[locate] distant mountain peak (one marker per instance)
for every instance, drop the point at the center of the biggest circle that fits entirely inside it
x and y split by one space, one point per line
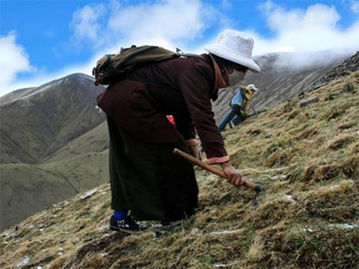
77 80
79 76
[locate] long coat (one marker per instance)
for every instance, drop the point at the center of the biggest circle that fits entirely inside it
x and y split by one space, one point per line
145 176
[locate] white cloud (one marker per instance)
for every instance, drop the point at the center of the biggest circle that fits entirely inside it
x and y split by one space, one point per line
311 29
108 27
176 23
161 22
85 23
355 6
43 77
170 19
13 60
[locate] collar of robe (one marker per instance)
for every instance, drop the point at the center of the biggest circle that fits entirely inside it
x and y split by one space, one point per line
219 81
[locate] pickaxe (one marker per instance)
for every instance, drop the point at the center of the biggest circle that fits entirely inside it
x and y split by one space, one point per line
252 106
256 187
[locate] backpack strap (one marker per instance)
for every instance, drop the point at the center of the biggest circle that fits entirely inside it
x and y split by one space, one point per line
134 54
190 55
179 53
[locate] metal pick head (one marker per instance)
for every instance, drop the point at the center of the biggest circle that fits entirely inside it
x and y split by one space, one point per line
258 189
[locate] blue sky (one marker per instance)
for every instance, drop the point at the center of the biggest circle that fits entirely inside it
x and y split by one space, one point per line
41 40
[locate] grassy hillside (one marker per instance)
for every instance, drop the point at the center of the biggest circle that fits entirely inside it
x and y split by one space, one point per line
27 189
58 122
41 188
82 169
95 140
306 156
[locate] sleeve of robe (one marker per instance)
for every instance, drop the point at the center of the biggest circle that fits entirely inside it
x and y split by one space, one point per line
196 86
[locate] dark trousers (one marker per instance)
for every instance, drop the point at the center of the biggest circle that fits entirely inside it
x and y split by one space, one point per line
148 179
235 113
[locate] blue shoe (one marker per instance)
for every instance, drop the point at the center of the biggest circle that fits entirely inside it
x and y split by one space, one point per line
127 225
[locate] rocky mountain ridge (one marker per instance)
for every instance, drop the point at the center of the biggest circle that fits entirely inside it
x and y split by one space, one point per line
349 66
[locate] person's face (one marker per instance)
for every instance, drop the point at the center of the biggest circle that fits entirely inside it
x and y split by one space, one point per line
235 74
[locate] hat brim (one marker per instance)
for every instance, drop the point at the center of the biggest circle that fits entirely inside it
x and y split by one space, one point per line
252 87
234 57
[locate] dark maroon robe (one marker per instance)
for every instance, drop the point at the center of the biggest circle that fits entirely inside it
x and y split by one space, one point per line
182 87
145 176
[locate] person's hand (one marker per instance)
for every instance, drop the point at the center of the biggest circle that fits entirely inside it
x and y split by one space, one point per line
195 151
234 177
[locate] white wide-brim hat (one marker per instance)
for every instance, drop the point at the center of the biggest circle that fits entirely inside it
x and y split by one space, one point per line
235 47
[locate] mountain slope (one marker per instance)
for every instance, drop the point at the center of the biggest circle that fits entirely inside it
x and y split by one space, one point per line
283 76
27 189
95 140
59 124
39 124
38 121
306 154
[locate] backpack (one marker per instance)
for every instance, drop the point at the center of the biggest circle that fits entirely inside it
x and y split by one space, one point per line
245 98
114 67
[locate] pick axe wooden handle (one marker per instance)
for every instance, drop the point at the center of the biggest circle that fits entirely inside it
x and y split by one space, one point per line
252 106
212 169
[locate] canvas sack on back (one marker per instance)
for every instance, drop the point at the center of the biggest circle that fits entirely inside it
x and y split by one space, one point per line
114 67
